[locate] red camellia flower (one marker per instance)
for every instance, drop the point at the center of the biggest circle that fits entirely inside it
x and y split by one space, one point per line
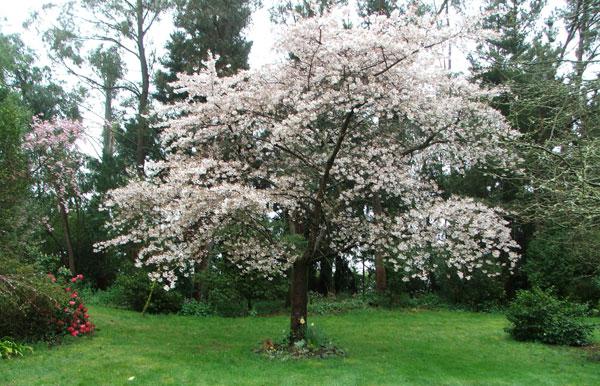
74 321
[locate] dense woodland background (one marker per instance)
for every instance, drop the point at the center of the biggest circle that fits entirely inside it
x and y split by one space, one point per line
544 56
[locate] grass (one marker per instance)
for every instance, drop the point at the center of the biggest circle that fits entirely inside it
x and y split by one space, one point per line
383 347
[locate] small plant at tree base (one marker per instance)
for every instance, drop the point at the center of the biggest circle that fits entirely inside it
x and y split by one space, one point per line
10 349
539 316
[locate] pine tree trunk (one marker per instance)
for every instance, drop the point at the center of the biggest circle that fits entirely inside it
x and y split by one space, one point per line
299 300
142 125
108 137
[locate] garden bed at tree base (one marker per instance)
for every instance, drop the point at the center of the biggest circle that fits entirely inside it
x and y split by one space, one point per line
299 350
593 352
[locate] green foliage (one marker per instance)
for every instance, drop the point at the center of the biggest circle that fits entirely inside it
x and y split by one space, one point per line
131 291
480 293
10 349
203 26
233 292
228 302
539 316
421 300
323 305
28 303
316 344
566 261
15 229
38 91
267 307
193 307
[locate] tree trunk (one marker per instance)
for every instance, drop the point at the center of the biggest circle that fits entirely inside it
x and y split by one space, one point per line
326 276
380 274
142 126
65 222
299 300
315 236
108 137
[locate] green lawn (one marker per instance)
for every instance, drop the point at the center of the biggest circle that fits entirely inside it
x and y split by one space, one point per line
384 347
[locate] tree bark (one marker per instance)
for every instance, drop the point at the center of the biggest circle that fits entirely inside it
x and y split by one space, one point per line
380 274
142 125
315 236
299 300
108 145
65 222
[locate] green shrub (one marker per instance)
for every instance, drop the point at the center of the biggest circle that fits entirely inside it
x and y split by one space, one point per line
320 305
233 292
28 304
539 316
566 261
193 307
228 302
131 291
10 349
480 293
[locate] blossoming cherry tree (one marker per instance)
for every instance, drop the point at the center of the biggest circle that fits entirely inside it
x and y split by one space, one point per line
348 115
55 163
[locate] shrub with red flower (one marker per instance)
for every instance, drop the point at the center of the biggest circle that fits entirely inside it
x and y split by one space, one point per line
73 318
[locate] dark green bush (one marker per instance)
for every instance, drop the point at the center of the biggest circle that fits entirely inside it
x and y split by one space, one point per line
537 315
193 307
228 302
233 292
566 261
480 293
321 305
131 291
28 304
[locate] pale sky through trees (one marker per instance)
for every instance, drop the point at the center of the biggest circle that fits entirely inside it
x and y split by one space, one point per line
13 16
261 32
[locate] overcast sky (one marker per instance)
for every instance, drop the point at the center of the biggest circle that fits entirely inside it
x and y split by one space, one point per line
260 32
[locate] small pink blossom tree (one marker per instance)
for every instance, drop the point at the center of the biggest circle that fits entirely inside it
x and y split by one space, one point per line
55 164
350 114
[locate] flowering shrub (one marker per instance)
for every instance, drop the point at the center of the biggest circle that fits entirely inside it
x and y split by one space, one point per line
35 307
73 318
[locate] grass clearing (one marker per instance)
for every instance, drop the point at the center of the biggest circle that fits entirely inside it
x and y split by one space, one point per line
383 347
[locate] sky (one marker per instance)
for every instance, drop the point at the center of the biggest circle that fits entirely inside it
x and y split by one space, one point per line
260 32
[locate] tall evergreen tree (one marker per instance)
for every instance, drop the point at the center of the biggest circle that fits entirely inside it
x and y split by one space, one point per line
204 26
